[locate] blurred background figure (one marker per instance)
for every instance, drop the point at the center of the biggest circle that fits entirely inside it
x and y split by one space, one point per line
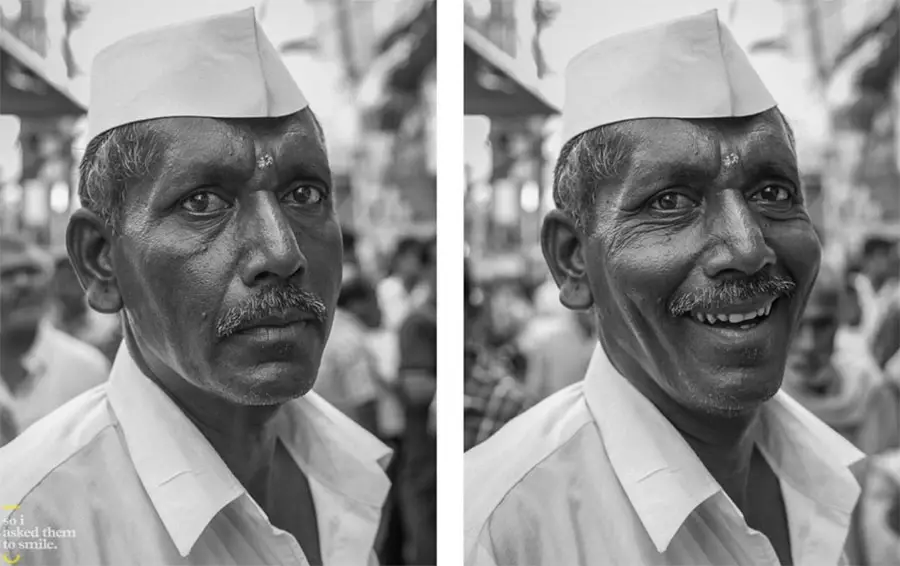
418 384
835 384
493 397
878 283
71 313
41 368
348 375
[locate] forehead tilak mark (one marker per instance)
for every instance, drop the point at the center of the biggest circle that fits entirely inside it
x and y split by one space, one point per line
730 160
265 161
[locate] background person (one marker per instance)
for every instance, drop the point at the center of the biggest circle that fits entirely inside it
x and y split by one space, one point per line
41 368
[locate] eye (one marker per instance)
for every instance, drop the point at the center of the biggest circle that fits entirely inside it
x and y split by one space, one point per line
306 195
773 193
672 201
774 196
204 202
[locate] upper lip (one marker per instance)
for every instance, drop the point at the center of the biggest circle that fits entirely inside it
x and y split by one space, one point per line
743 307
283 318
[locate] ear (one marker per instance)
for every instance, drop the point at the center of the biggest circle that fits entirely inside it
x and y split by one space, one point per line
563 248
89 243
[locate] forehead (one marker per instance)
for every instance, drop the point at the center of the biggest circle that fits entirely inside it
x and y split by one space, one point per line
200 139
664 140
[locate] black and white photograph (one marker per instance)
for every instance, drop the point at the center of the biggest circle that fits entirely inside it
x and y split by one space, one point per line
218 266
682 282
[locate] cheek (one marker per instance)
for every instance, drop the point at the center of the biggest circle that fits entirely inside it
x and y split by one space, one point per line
645 266
323 251
798 250
170 291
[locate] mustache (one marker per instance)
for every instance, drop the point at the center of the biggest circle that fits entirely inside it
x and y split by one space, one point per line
268 302
723 293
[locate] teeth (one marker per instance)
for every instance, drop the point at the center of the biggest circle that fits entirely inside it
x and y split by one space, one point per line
733 318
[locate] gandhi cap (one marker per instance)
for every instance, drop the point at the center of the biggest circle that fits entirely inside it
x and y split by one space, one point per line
690 67
221 66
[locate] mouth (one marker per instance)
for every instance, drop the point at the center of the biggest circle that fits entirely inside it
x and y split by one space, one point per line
744 316
289 318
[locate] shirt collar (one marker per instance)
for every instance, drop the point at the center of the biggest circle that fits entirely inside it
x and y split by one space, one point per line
189 483
665 481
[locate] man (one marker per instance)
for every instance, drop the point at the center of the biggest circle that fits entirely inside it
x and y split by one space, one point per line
208 223
493 397
417 380
680 221
348 375
72 315
877 286
836 386
41 368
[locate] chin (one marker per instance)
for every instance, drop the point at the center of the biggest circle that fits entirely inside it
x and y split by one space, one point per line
270 384
731 392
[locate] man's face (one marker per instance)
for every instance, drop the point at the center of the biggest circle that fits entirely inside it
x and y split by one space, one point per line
24 282
229 262
813 344
706 224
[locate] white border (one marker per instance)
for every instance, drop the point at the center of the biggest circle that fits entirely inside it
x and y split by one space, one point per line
450 223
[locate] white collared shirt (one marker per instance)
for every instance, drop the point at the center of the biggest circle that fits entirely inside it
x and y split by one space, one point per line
59 369
596 475
135 482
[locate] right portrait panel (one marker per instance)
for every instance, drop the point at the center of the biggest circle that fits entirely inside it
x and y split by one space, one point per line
682 282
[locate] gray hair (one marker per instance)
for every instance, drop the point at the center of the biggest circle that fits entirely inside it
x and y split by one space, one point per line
595 157
113 162
119 158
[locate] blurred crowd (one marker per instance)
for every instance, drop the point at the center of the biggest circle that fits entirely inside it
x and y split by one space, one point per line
843 366
379 366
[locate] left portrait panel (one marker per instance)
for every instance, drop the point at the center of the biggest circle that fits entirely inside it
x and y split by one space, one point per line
217 282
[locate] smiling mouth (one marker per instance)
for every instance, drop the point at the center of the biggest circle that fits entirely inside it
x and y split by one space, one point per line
746 320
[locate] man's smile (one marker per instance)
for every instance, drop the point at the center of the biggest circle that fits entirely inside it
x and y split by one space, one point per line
743 315
745 327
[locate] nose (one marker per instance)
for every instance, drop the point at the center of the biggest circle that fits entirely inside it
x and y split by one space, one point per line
273 253
739 249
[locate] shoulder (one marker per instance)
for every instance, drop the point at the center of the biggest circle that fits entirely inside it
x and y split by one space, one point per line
496 470
60 449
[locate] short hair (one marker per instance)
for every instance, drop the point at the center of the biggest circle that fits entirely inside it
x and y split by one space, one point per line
594 157
119 158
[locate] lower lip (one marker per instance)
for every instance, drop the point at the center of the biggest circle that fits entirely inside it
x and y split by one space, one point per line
733 336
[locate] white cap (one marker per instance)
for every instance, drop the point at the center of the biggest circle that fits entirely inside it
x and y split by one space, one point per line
221 66
686 68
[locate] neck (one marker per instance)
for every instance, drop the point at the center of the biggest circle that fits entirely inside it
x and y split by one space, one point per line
240 434
724 444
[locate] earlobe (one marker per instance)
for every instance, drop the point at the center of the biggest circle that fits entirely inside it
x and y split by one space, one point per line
89 243
563 250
